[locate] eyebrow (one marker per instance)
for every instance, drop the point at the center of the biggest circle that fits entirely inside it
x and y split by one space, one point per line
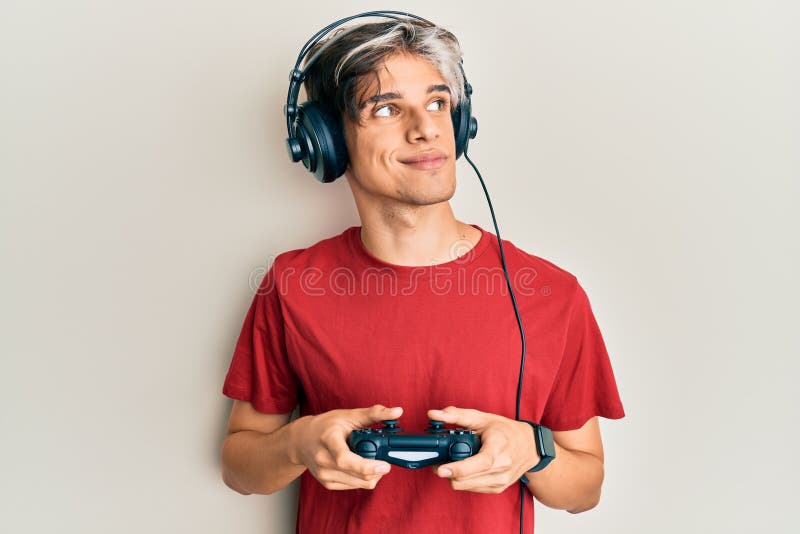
383 97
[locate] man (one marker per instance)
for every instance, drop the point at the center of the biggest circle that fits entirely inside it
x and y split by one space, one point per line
405 315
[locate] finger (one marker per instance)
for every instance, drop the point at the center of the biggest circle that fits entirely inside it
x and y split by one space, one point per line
480 464
333 476
485 475
363 417
355 465
339 480
496 483
466 418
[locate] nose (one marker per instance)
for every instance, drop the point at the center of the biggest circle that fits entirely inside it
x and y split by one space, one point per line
421 126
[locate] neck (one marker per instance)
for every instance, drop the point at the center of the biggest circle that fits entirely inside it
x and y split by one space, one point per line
416 235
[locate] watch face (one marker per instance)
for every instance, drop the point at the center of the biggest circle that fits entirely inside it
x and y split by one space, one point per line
545 446
547 442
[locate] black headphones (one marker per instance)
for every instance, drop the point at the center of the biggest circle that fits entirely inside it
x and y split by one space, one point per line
315 131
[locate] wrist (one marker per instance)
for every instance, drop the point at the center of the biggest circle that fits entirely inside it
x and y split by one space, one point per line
530 446
295 432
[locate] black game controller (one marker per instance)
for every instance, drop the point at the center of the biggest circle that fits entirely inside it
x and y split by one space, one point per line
440 445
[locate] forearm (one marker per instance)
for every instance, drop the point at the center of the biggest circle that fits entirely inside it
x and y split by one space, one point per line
571 482
254 462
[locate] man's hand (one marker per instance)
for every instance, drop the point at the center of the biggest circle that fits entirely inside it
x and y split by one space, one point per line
508 450
321 446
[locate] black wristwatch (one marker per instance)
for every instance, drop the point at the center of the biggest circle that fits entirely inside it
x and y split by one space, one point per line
545 446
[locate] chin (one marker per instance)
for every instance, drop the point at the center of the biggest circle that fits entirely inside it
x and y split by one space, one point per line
427 195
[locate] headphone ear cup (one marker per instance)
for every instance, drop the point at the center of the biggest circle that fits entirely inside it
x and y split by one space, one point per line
459 130
465 126
319 131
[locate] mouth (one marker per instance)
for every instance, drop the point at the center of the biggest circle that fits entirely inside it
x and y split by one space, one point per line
426 160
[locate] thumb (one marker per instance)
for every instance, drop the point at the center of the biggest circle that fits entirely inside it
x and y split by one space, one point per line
466 418
375 414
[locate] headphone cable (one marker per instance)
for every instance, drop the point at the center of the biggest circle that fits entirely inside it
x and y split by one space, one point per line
519 323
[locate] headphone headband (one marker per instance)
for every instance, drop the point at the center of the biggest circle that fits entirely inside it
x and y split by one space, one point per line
397 15
297 75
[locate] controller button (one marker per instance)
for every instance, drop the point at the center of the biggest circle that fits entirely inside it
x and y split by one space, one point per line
460 450
366 448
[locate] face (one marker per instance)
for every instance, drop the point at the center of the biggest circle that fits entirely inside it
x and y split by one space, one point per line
402 147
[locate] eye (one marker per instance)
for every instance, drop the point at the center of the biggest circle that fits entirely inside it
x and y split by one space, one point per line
383 111
438 105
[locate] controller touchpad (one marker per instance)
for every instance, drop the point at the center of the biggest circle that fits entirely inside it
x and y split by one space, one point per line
413 456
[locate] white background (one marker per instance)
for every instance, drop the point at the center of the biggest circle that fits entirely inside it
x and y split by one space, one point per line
650 148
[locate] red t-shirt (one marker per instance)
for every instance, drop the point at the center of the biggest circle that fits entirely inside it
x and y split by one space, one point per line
334 327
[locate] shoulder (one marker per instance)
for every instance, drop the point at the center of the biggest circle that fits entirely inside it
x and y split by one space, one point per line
550 278
321 254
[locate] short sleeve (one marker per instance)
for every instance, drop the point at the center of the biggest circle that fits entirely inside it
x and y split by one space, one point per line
584 385
259 371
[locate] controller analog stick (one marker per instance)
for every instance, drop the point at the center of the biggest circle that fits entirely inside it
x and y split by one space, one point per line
436 427
390 426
